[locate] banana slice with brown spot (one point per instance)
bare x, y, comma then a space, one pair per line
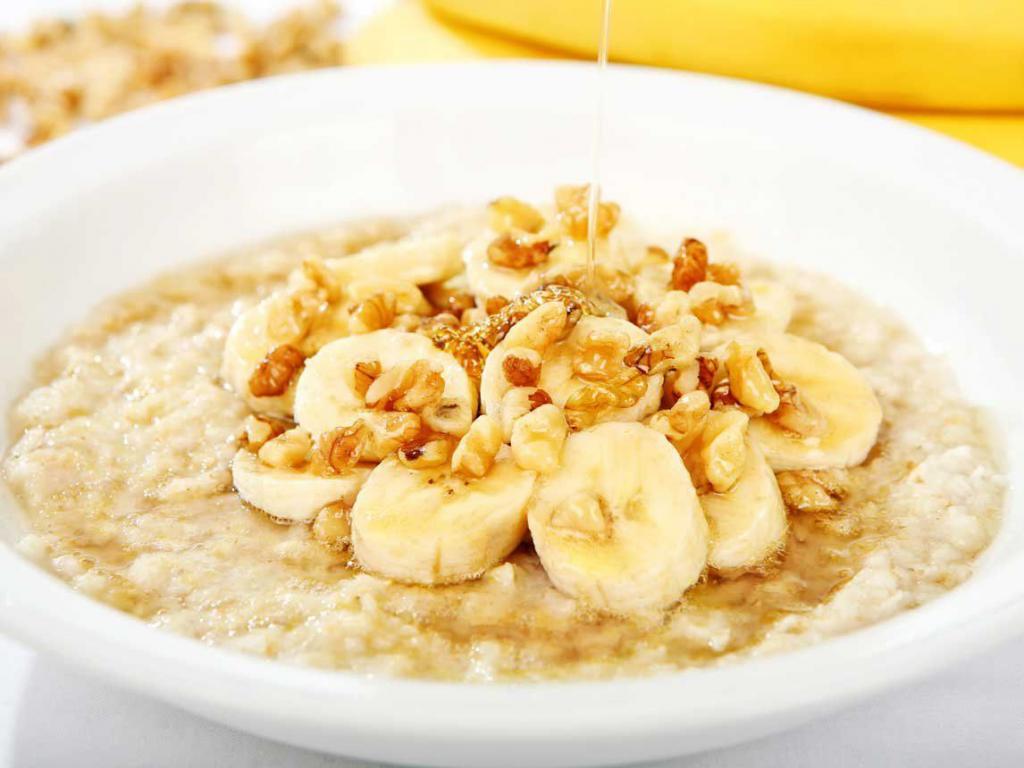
618, 525
829, 417
332, 393
748, 522
431, 526
584, 373
292, 495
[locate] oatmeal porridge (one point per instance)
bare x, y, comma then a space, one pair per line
446, 448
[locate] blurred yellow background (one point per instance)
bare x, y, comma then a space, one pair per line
956, 66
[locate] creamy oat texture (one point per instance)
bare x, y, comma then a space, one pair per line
122, 465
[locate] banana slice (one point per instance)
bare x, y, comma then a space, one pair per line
328, 396
283, 318
419, 259
428, 526
618, 525
291, 494
773, 309
748, 522
841, 408
568, 372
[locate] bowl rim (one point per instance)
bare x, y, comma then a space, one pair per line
42, 611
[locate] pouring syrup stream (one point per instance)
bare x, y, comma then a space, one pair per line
596, 147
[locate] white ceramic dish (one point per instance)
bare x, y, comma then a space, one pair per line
918, 221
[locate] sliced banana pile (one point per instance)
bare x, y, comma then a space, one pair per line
429, 405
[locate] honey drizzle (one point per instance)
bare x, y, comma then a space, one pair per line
596, 148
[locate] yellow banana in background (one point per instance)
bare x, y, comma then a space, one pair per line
921, 54
953, 65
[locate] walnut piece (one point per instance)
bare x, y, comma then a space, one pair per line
342, 448
749, 380
690, 265
364, 374
723, 449
714, 303
260, 429
538, 437
276, 372
521, 367
406, 388
723, 273
374, 313
600, 355
332, 527
573, 205
812, 490
684, 422
474, 455
287, 450
517, 253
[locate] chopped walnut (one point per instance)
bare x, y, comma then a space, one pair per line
644, 317
276, 372
714, 303
370, 438
475, 453
540, 328
321, 278
708, 372
259, 429
623, 391
518, 402
495, 304
723, 448
332, 527
364, 374
573, 205
722, 396
343, 448
599, 355
724, 274
676, 345
374, 313
749, 381
684, 422
516, 253
797, 415
287, 450
538, 437
678, 382
812, 490
538, 398
426, 454
690, 265
672, 309
521, 367
471, 345
510, 214
406, 388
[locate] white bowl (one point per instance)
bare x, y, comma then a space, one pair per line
919, 222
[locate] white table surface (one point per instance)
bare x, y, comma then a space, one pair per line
972, 715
